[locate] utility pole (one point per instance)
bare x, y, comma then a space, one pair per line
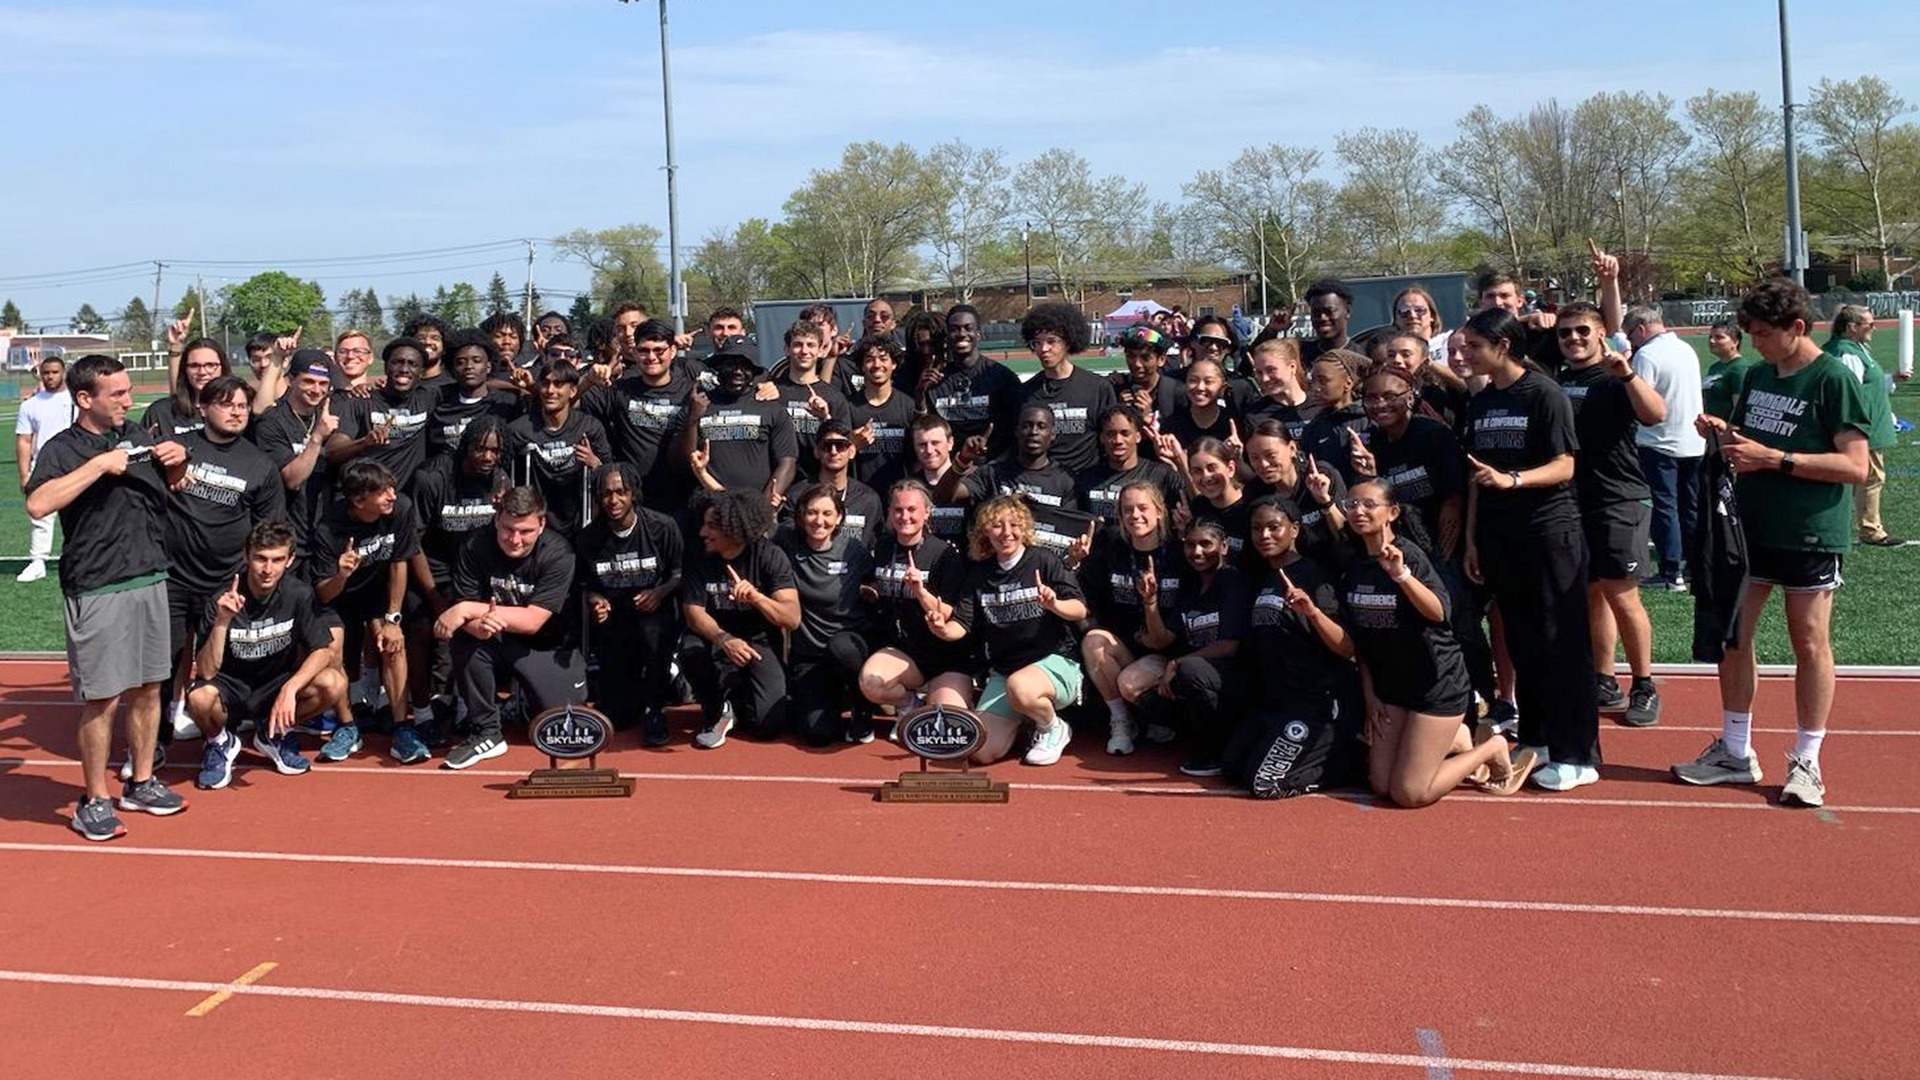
1026, 245
1796, 248
675, 303
529, 294
158, 269
200, 301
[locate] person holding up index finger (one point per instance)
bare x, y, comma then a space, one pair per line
741, 597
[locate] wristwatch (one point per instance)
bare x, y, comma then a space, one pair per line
1786, 463
392, 618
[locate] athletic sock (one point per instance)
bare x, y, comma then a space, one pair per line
1806, 745
1736, 730
1118, 710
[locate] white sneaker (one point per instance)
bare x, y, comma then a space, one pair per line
35, 570
1564, 777
1120, 735
1048, 742
183, 725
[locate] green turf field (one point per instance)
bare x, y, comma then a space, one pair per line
1872, 620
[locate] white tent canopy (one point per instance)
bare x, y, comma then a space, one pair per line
1133, 311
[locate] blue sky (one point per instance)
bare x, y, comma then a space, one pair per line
264, 134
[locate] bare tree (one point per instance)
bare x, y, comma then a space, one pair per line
1275, 200
1732, 183
1390, 200
974, 202
867, 216
1854, 126
1481, 171
1077, 218
1635, 139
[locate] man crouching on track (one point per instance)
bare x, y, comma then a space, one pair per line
267, 657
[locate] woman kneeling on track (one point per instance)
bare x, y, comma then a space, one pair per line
1124, 569
1396, 608
830, 646
909, 564
1196, 636
1299, 727
1020, 603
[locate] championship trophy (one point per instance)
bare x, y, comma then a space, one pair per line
571, 733
943, 733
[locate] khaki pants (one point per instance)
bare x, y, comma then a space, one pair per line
1866, 498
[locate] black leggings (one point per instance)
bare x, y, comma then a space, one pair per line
548, 677
1465, 608
1198, 685
823, 687
636, 657
1540, 582
758, 691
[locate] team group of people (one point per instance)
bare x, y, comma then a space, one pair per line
1405, 559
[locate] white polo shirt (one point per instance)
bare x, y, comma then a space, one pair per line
1672, 368
43, 416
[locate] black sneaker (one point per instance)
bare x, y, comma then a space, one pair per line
1201, 767
859, 730
95, 820
653, 729
1606, 694
152, 797
476, 749
1886, 540
1643, 705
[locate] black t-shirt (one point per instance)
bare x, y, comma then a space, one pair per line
1077, 402
230, 488
829, 584
1211, 612
902, 621
541, 578
452, 413
642, 421
1048, 486
405, 418
117, 528
861, 514
545, 459
948, 520
1442, 402
892, 445
1607, 471
1523, 426
1327, 437
1168, 396
283, 434
1001, 609
451, 504
1426, 469
1283, 648
806, 426
617, 566
763, 565
1415, 664
1236, 518
972, 398
393, 537
1183, 426
270, 637
1318, 540
163, 423
1295, 417
1099, 487
746, 440
1111, 577
1056, 529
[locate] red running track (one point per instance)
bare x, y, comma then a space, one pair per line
753, 911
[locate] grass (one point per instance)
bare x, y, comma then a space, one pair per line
1871, 622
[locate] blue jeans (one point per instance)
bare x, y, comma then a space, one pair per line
1676, 504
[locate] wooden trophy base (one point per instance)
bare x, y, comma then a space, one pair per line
573, 783
933, 787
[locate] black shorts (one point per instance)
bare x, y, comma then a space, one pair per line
1795, 571
244, 702
186, 616
1616, 541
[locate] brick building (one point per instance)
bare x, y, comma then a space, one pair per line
1004, 296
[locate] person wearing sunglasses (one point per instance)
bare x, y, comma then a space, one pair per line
1145, 384
1525, 542
860, 509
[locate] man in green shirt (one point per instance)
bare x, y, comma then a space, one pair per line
1852, 333
1796, 439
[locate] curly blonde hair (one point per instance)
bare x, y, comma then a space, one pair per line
978, 545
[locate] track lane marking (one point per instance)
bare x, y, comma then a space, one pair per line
873, 1027
1500, 904
215, 999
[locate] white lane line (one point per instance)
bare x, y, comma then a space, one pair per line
871, 1027
1078, 788
1501, 904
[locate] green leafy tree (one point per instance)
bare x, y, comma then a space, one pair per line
1869, 166
580, 315
191, 302
274, 301
405, 309
731, 269
88, 321
536, 303
10, 317
862, 220
459, 305
499, 301
625, 261
136, 322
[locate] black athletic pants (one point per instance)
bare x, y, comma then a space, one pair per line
548, 677
1540, 582
823, 687
758, 691
1198, 685
636, 655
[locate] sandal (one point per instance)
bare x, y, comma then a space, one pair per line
1518, 769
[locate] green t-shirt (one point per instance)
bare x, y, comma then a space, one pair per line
1803, 412
1873, 391
1721, 384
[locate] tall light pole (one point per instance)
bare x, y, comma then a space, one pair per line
673, 199
1795, 250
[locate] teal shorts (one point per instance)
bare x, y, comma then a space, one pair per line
1063, 673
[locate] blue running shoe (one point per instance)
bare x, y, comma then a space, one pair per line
216, 762
322, 725
344, 741
408, 747
283, 752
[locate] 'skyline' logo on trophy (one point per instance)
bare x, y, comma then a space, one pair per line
571, 733
943, 733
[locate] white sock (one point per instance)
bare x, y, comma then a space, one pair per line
1736, 730
1118, 710
1806, 745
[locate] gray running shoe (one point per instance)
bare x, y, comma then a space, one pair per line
1716, 765
714, 735
1804, 787
95, 820
152, 797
